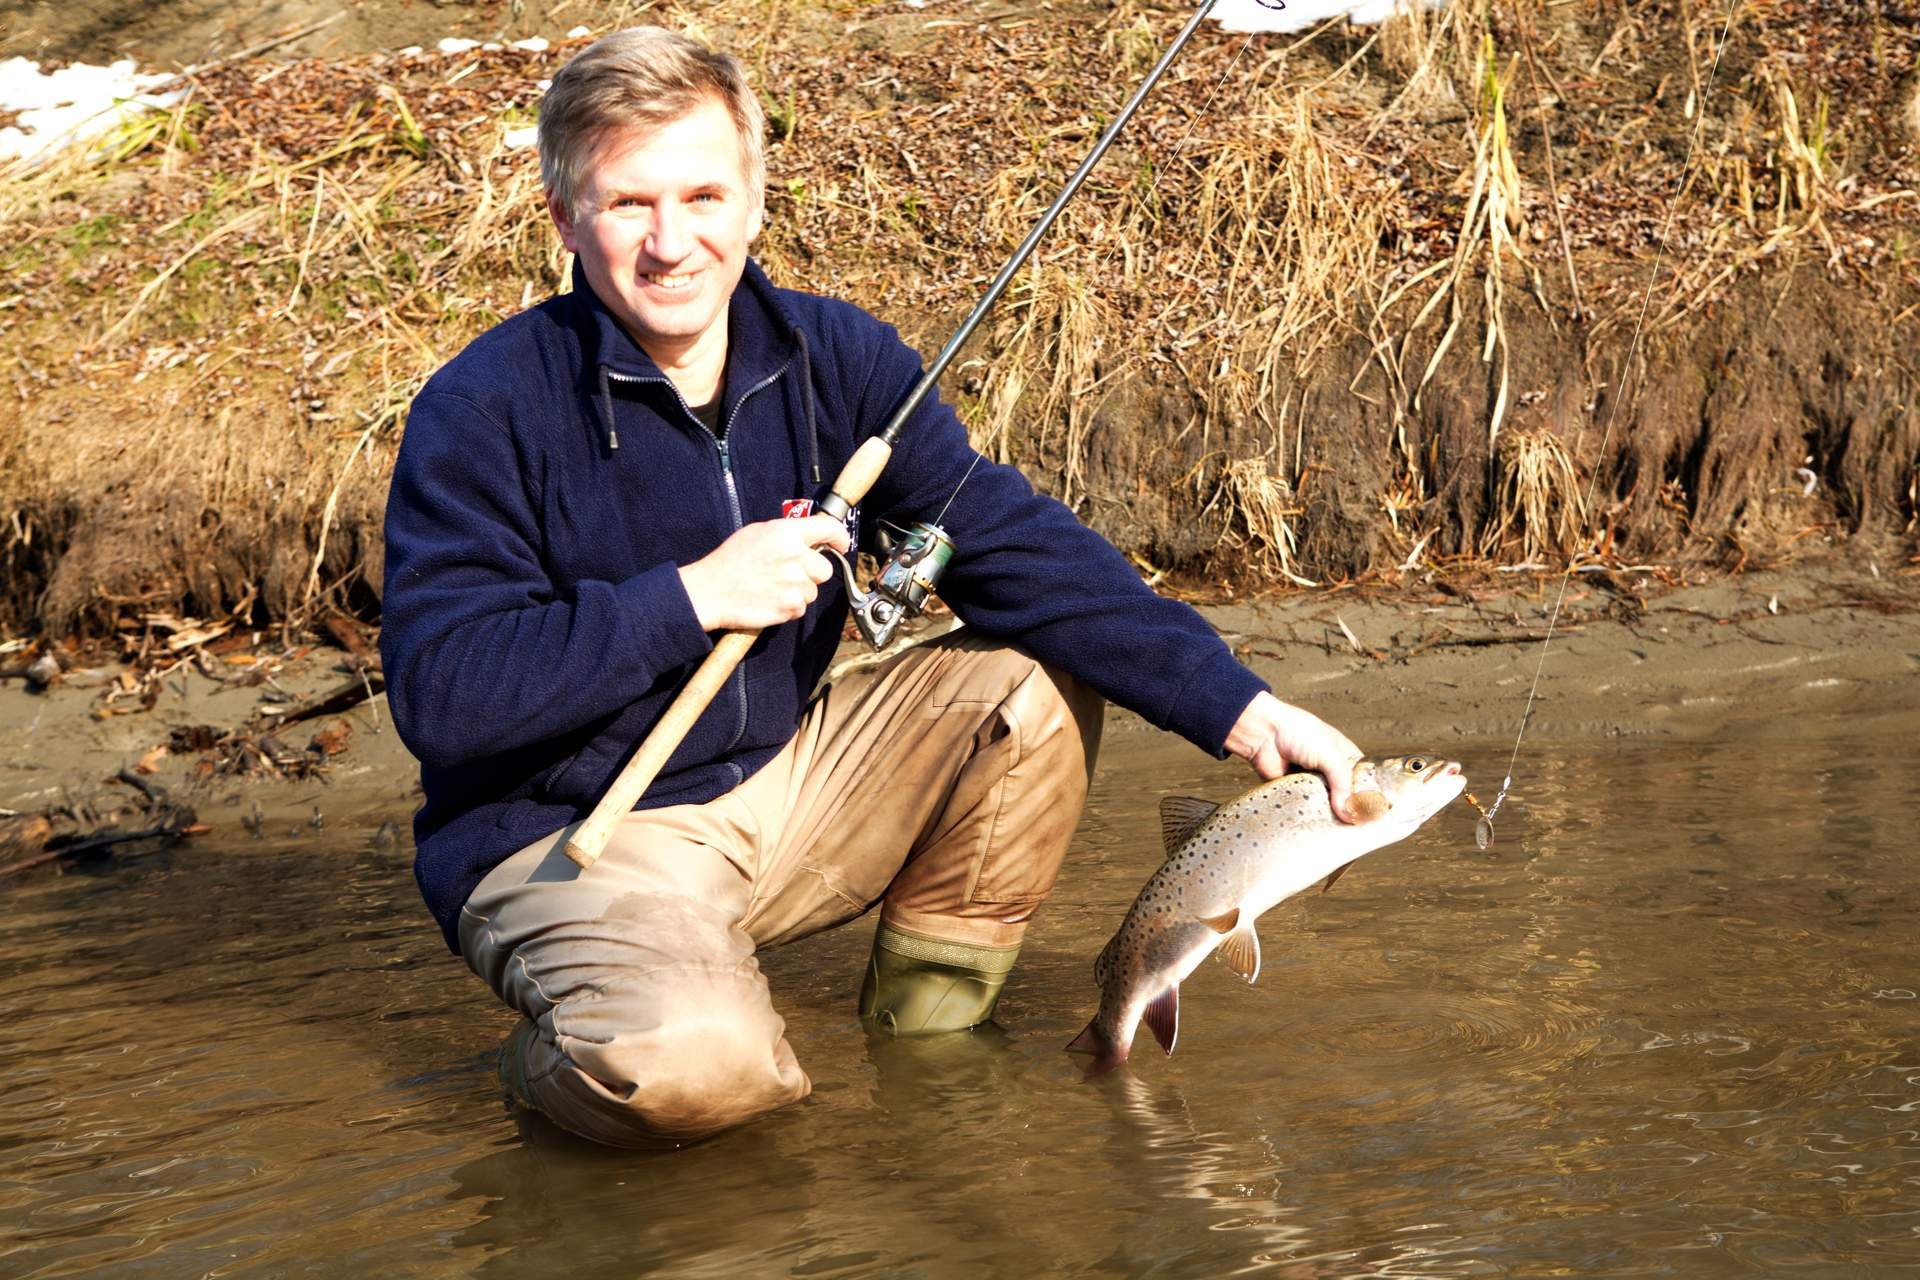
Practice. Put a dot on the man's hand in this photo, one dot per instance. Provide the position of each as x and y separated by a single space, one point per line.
763 574
1275 736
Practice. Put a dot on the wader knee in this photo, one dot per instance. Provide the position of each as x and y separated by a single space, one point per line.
918 986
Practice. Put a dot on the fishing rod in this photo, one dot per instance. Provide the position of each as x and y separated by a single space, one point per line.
1483 829
916 563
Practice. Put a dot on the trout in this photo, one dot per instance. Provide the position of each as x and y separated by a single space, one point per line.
1226 865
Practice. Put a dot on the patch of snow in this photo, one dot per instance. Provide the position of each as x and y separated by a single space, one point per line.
74 104
533 44
526 136
456 44
577 32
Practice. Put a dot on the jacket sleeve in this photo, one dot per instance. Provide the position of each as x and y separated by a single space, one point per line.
481 654
1025 569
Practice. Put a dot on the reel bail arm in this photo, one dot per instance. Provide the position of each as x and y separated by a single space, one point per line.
912 573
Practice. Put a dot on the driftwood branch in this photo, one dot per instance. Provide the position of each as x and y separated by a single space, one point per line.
173 823
342 697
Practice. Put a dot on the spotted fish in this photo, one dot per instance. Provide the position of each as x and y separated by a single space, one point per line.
1227 864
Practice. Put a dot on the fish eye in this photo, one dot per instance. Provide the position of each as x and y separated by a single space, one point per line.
1416 764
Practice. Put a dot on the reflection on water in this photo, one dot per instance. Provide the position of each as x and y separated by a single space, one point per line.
1670 1025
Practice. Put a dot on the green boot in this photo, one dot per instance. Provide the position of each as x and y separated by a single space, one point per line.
917 986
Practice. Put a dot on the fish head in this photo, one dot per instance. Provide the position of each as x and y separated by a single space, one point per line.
1418 786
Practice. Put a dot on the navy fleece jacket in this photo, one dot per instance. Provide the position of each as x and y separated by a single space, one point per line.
552 480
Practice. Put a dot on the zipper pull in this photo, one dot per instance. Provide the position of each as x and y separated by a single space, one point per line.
726 459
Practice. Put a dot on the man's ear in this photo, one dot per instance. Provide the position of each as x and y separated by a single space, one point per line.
757 218
562 220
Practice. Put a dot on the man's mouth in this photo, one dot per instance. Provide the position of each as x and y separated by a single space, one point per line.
661 281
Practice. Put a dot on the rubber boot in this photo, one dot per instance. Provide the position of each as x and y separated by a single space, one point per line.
918 986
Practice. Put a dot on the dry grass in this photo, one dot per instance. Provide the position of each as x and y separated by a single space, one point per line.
1261 518
1487 240
1538 494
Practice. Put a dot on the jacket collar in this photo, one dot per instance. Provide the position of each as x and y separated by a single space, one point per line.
760 340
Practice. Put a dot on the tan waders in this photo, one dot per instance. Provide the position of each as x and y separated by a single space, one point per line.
945 787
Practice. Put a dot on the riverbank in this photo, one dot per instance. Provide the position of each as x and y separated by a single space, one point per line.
1755 656
1336 303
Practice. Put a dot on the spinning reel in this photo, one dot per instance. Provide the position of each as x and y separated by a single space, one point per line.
914 565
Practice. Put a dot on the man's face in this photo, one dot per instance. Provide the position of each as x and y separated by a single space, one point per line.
661 225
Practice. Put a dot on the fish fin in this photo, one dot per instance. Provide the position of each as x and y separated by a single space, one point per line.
1369 806
1367 802
1225 922
1179 815
1163 1017
1106 1054
1337 873
1241 952
1103 963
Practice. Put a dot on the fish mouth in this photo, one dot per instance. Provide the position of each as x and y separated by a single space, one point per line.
1446 783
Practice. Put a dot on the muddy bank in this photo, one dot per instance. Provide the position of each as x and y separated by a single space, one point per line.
1297 338
1762 656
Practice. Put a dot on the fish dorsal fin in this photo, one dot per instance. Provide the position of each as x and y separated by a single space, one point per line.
1337 873
1241 952
1224 922
1163 1017
1179 815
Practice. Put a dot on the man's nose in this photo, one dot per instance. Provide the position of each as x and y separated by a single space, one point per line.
670 239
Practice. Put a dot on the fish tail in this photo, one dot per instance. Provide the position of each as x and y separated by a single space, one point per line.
1107 1053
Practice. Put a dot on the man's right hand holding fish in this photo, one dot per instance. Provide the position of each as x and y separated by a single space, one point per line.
1275 736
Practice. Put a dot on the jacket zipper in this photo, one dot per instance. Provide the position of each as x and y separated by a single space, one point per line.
739 676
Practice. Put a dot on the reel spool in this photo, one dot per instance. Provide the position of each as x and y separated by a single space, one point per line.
912 573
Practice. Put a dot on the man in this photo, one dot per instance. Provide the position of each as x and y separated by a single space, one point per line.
594 488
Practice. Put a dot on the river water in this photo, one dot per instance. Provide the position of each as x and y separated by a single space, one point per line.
1668 1026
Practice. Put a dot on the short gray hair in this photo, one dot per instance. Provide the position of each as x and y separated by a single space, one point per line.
641 78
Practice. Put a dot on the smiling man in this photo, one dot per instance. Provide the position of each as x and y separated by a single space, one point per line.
589 492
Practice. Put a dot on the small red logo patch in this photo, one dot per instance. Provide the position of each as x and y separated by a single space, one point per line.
796 508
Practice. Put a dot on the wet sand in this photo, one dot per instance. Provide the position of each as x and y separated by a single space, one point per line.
1754 656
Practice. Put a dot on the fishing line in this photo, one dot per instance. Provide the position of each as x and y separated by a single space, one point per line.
1483 830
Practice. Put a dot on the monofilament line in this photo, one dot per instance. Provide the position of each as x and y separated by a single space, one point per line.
1613 410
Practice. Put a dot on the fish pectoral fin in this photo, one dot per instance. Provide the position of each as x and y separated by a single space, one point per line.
1370 806
1225 922
1179 815
1241 952
1337 873
1163 1017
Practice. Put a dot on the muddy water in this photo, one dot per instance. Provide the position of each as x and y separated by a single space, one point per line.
1668 1026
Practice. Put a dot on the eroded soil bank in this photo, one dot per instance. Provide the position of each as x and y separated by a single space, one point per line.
1368 315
